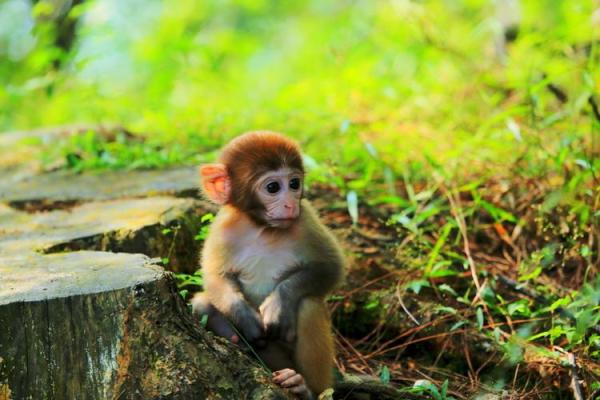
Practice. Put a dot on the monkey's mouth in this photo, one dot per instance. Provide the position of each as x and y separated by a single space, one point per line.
282 222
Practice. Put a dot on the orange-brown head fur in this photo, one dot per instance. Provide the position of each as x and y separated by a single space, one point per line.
251 155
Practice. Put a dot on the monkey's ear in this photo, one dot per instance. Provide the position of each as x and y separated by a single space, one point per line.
215 182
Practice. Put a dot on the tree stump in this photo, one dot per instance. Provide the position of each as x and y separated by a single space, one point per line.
98 325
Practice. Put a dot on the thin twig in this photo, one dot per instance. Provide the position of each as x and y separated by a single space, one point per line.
409 332
423 339
462 226
477 296
514 382
575 385
399 297
358 354
473 376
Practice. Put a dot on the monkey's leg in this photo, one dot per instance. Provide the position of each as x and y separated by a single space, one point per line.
217 322
314 345
276 354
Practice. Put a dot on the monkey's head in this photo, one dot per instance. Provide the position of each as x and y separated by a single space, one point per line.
261 174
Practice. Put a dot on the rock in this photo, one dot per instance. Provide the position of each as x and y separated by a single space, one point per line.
96 325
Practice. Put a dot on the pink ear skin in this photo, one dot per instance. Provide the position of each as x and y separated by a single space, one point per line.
215 182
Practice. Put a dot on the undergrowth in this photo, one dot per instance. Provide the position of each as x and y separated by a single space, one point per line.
463 173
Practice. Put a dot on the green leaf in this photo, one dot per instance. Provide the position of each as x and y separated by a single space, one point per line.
208 217
416 286
440 270
446 309
497 335
204 320
438 245
554 333
457 325
585 251
447 289
372 304
444 388
352 201
384 375
584 321
497 213
189 280
480 320
531 275
429 387
563 302
520 307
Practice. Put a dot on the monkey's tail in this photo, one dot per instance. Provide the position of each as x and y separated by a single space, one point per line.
315 347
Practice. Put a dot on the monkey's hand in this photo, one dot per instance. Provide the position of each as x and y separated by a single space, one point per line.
247 320
279 317
290 379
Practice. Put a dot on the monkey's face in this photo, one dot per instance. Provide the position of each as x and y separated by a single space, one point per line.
280 192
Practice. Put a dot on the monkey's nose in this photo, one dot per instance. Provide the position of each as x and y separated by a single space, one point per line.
290 210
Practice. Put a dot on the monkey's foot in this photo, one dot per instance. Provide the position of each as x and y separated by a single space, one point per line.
294 382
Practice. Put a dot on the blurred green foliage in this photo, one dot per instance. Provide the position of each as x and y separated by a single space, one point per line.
397 81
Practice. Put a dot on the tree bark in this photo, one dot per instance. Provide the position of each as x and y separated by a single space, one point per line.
96 325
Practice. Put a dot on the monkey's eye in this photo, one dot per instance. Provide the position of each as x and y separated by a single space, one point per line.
295 183
273 187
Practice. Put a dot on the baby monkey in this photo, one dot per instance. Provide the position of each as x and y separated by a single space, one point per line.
268 262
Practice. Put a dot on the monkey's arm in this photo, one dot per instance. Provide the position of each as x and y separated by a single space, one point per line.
320 271
225 295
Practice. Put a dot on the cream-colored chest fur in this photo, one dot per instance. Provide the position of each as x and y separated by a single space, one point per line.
259 260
